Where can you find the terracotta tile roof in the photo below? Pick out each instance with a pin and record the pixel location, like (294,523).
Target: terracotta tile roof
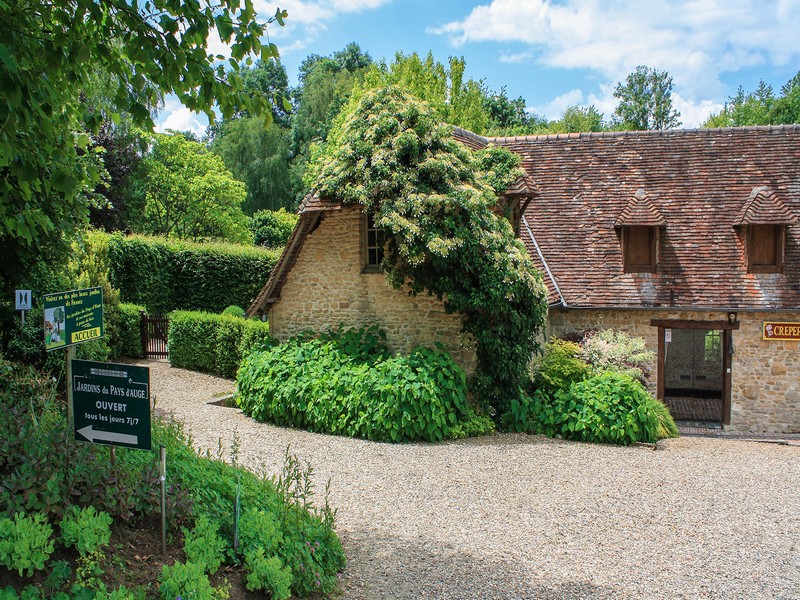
(696,184)
(765,208)
(524,186)
(640,211)
(699,181)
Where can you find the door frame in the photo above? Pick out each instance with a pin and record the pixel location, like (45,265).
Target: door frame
(726,327)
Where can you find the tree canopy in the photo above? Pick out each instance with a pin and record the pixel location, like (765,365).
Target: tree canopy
(190,194)
(645,101)
(50,51)
(761,106)
(390,154)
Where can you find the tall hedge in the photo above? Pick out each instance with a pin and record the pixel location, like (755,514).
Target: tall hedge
(203,341)
(166,275)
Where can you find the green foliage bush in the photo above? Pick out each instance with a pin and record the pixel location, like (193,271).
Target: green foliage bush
(203,545)
(609,350)
(272,228)
(268,574)
(166,275)
(235,311)
(316,384)
(606,408)
(213,343)
(185,580)
(25,542)
(86,528)
(560,366)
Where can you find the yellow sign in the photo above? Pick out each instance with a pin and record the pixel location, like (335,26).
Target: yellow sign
(780,330)
(86,335)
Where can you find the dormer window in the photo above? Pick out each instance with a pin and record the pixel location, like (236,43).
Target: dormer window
(762,222)
(639,249)
(639,226)
(765,245)
(515,200)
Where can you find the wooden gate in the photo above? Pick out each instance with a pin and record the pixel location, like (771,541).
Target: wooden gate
(154,335)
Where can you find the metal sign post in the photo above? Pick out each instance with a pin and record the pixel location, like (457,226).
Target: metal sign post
(23,300)
(163,478)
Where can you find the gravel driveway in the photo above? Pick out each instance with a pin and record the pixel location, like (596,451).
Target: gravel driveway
(517,516)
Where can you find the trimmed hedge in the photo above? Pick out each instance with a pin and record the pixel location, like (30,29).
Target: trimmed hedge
(165,275)
(213,343)
(319,385)
(129,334)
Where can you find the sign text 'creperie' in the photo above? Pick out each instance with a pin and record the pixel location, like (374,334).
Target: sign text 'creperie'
(778,330)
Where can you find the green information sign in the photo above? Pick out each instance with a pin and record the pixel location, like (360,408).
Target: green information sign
(73,317)
(111,404)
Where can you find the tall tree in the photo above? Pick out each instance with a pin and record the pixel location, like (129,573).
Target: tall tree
(190,194)
(646,101)
(48,54)
(509,117)
(760,107)
(578,119)
(258,156)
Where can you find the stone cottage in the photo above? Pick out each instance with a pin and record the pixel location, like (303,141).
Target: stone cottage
(686,238)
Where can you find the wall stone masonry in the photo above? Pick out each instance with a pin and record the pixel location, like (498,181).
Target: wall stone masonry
(765,374)
(327,286)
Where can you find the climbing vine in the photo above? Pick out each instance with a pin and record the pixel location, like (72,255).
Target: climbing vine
(434,196)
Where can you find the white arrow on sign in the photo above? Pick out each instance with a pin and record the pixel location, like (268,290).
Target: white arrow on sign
(107,436)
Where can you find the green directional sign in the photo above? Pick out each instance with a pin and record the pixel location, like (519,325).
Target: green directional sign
(73,317)
(111,404)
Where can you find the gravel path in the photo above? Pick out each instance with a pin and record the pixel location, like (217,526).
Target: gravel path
(517,516)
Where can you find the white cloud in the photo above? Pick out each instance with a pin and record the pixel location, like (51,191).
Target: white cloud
(518,57)
(694,40)
(555,109)
(177,117)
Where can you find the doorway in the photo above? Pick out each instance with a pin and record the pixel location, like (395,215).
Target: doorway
(694,370)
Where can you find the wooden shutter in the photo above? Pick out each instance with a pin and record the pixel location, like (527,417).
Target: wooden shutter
(639,249)
(765,248)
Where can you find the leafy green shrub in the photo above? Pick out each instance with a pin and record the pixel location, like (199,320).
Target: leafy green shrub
(235,311)
(259,529)
(213,343)
(315,384)
(666,424)
(185,580)
(203,544)
(86,528)
(606,408)
(25,542)
(271,228)
(165,275)
(473,425)
(609,350)
(268,574)
(560,366)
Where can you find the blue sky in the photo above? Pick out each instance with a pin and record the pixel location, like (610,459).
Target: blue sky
(556,53)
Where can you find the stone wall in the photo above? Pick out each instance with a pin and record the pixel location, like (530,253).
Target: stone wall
(765,391)
(327,286)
